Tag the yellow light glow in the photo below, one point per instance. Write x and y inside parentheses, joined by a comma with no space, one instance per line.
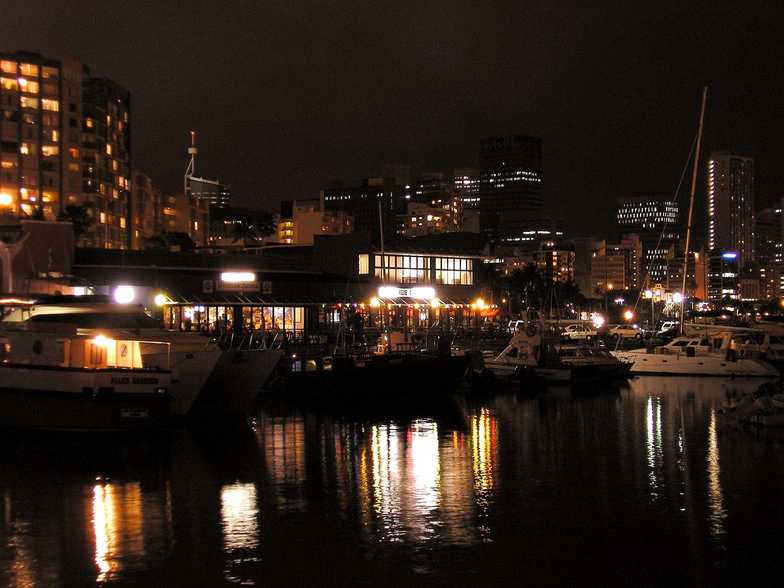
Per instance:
(160,299)
(609,286)
(435,302)
(102,340)
(375,302)
(6,199)
(628,315)
(479,304)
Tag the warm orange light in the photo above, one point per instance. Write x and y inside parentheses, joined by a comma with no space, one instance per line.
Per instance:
(628,315)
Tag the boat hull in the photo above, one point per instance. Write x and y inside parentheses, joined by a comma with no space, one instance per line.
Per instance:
(697,365)
(90,409)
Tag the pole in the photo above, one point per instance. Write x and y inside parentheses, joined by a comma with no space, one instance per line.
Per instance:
(691,201)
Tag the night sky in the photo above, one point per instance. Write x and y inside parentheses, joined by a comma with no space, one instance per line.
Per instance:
(289,96)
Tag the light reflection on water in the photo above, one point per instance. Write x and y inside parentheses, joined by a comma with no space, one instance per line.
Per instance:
(345,501)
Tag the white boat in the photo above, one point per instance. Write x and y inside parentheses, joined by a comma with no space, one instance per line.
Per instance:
(207,378)
(701,355)
(69,381)
(529,354)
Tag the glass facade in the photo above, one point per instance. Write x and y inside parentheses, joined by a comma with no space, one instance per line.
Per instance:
(424,269)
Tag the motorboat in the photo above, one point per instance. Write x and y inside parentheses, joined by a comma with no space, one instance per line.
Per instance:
(65,380)
(208,378)
(704,354)
(530,354)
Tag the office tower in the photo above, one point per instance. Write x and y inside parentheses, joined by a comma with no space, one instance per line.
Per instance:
(731,205)
(432,189)
(65,140)
(770,249)
(465,182)
(375,199)
(510,187)
(655,219)
(616,266)
(147,211)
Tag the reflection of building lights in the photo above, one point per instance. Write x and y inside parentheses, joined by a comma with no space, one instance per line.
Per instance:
(124,294)
(238,277)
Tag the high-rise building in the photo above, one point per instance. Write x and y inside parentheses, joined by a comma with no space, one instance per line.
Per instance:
(731,205)
(65,140)
(510,187)
(147,210)
(655,219)
(375,199)
(432,189)
(465,182)
(616,266)
(301,220)
(770,249)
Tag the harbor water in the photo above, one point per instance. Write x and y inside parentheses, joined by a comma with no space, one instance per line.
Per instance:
(646,484)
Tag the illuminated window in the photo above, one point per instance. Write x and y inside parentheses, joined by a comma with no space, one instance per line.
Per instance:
(8,164)
(364,264)
(52,105)
(9,84)
(49,73)
(122,222)
(50,150)
(108,149)
(74,167)
(28,86)
(73,152)
(28,102)
(103,218)
(29,69)
(8,67)
(24,149)
(115,165)
(89,123)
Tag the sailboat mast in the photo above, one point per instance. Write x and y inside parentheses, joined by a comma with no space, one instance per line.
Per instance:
(691,201)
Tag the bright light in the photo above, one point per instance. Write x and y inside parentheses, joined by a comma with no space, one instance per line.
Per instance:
(619,301)
(374,302)
(598,321)
(648,293)
(387,292)
(628,315)
(729,255)
(160,299)
(677,297)
(238,277)
(435,302)
(480,304)
(423,293)
(609,286)
(124,294)
(102,340)
(6,199)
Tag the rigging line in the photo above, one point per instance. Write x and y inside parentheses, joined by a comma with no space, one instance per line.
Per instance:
(666,225)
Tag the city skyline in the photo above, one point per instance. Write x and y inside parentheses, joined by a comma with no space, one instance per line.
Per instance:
(616,115)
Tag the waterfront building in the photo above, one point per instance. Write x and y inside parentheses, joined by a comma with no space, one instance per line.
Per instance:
(731,205)
(65,140)
(510,187)
(301,220)
(654,218)
(465,183)
(303,291)
(616,266)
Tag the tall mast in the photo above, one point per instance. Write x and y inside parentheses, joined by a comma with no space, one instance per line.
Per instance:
(381,235)
(691,201)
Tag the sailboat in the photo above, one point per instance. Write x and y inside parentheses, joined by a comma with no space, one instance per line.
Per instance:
(699,355)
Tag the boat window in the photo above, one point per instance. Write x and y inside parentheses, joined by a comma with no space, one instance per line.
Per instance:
(680,343)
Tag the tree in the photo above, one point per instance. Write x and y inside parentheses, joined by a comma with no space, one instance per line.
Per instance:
(246,233)
(79,217)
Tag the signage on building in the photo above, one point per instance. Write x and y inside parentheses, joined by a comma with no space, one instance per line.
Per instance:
(253,286)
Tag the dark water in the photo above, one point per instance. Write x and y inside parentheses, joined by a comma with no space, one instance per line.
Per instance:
(649,486)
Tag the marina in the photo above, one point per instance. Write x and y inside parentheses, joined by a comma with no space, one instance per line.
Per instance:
(313,497)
